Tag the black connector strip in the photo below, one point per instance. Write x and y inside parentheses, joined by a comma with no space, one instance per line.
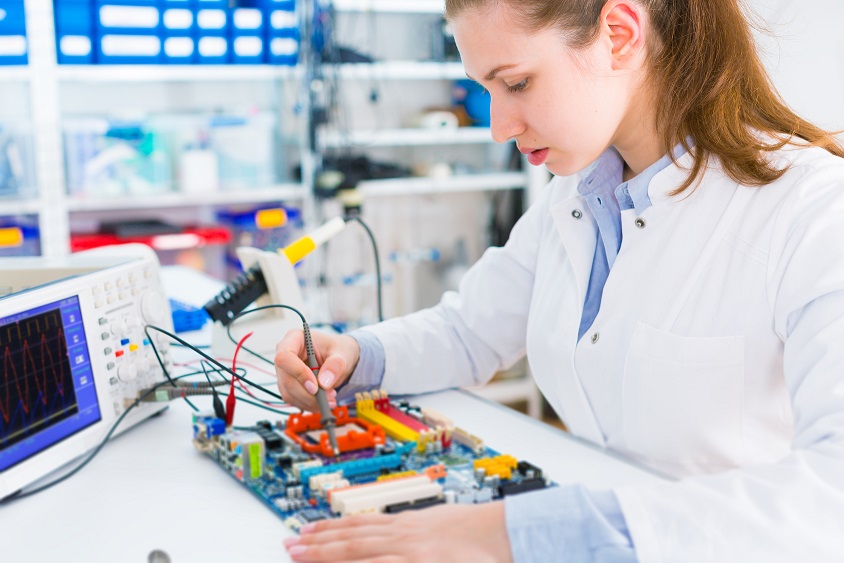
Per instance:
(419,504)
(508,489)
(237,296)
(528,469)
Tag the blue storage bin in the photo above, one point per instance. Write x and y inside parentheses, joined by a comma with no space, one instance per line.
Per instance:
(179,50)
(13,50)
(119,18)
(283,47)
(212,4)
(212,21)
(248,49)
(73,49)
(249,21)
(289,5)
(12,21)
(129,49)
(178,21)
(281,19)
(189,4)
(74,18)
(213,49)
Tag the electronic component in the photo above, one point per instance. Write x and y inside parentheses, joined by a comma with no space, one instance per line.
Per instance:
(77,356)
(303,482)
(525,486)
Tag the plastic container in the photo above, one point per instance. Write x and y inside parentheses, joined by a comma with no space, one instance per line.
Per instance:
(212,32)
(266,228)
(19,237)
(17,161)
(245,149)
(200,248)
(109,157)
(283,35)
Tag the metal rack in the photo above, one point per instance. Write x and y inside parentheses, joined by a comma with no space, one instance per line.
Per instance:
(54,207)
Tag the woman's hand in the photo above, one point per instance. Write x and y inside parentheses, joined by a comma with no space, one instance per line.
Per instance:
(475,533)
(337,356)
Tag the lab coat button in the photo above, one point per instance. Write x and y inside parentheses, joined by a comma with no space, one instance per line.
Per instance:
(639,222)
(595,337)
(577,214)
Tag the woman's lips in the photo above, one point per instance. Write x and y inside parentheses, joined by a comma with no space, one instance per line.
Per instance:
(536,156)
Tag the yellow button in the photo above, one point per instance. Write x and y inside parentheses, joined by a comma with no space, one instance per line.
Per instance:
(133,347)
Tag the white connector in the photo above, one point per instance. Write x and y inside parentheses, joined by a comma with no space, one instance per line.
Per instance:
(376,496)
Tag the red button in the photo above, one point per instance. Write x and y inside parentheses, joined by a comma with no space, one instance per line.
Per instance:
(118,353)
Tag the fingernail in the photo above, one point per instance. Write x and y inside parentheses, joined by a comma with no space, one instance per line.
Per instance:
(306,529)
(290,542)
(326,378)
(311,387)
(297,550)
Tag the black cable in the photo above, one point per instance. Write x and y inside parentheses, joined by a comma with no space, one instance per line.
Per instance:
(23,494)
(210,360)
(219,409)
(255,310)
(378,289)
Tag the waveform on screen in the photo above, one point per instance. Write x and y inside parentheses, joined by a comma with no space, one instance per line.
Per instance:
(36,381)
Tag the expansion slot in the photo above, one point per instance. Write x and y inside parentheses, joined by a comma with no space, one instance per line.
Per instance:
(366,411)
(375,497)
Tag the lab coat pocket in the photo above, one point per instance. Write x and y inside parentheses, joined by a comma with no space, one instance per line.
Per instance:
(683,400)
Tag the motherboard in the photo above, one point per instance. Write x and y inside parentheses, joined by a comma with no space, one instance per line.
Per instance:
(394,456)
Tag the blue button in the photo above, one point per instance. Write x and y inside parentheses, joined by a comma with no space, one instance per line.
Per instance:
(124,342)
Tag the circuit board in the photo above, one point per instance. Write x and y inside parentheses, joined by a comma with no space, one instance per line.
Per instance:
(393,457)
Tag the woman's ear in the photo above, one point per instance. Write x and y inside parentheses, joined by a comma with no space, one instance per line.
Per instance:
(623,23)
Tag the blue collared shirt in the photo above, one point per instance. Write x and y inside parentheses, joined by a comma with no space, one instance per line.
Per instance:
(568,522)
(607,195)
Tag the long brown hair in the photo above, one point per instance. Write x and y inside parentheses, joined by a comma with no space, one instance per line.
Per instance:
(709,81)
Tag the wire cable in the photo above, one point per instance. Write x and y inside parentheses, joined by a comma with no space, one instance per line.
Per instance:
(378,288)
(220,367)
(28,493)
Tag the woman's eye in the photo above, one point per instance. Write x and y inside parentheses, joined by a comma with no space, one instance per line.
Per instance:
(518,87)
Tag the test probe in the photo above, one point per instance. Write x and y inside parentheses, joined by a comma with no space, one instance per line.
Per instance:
(328,420)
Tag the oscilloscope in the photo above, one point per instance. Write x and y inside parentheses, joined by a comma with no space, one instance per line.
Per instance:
(74,354)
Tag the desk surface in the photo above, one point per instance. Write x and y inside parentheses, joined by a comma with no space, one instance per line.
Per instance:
(149,489)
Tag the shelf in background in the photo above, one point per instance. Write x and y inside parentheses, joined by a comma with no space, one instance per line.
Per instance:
(172,73)
(406,137)
(19,207)
(398,70)
(15,73)
(176,199)
(453,184)
(391,6)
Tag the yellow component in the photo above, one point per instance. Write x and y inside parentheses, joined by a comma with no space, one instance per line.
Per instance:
(500,466)
(396,430)
(297,250)
(11,236)
(397,475)
(133,347)
(270,218)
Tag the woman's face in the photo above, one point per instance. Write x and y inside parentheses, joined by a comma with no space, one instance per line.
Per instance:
(563,107)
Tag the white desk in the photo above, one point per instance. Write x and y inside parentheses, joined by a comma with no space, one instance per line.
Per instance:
(149,489)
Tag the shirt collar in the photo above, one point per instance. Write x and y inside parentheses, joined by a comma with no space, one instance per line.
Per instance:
(608,170)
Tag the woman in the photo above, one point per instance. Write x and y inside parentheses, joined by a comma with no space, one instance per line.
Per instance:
(681,302)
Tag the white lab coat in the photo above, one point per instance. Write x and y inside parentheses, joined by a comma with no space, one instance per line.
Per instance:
(717,355)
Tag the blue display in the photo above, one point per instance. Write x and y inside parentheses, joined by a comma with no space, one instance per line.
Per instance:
(47,388)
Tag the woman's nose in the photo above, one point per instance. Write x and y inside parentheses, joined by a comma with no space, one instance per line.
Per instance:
(505,122)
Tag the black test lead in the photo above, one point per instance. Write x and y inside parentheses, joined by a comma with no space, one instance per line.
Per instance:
(328,420)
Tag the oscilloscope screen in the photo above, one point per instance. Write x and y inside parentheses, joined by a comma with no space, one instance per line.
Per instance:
(47,388)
